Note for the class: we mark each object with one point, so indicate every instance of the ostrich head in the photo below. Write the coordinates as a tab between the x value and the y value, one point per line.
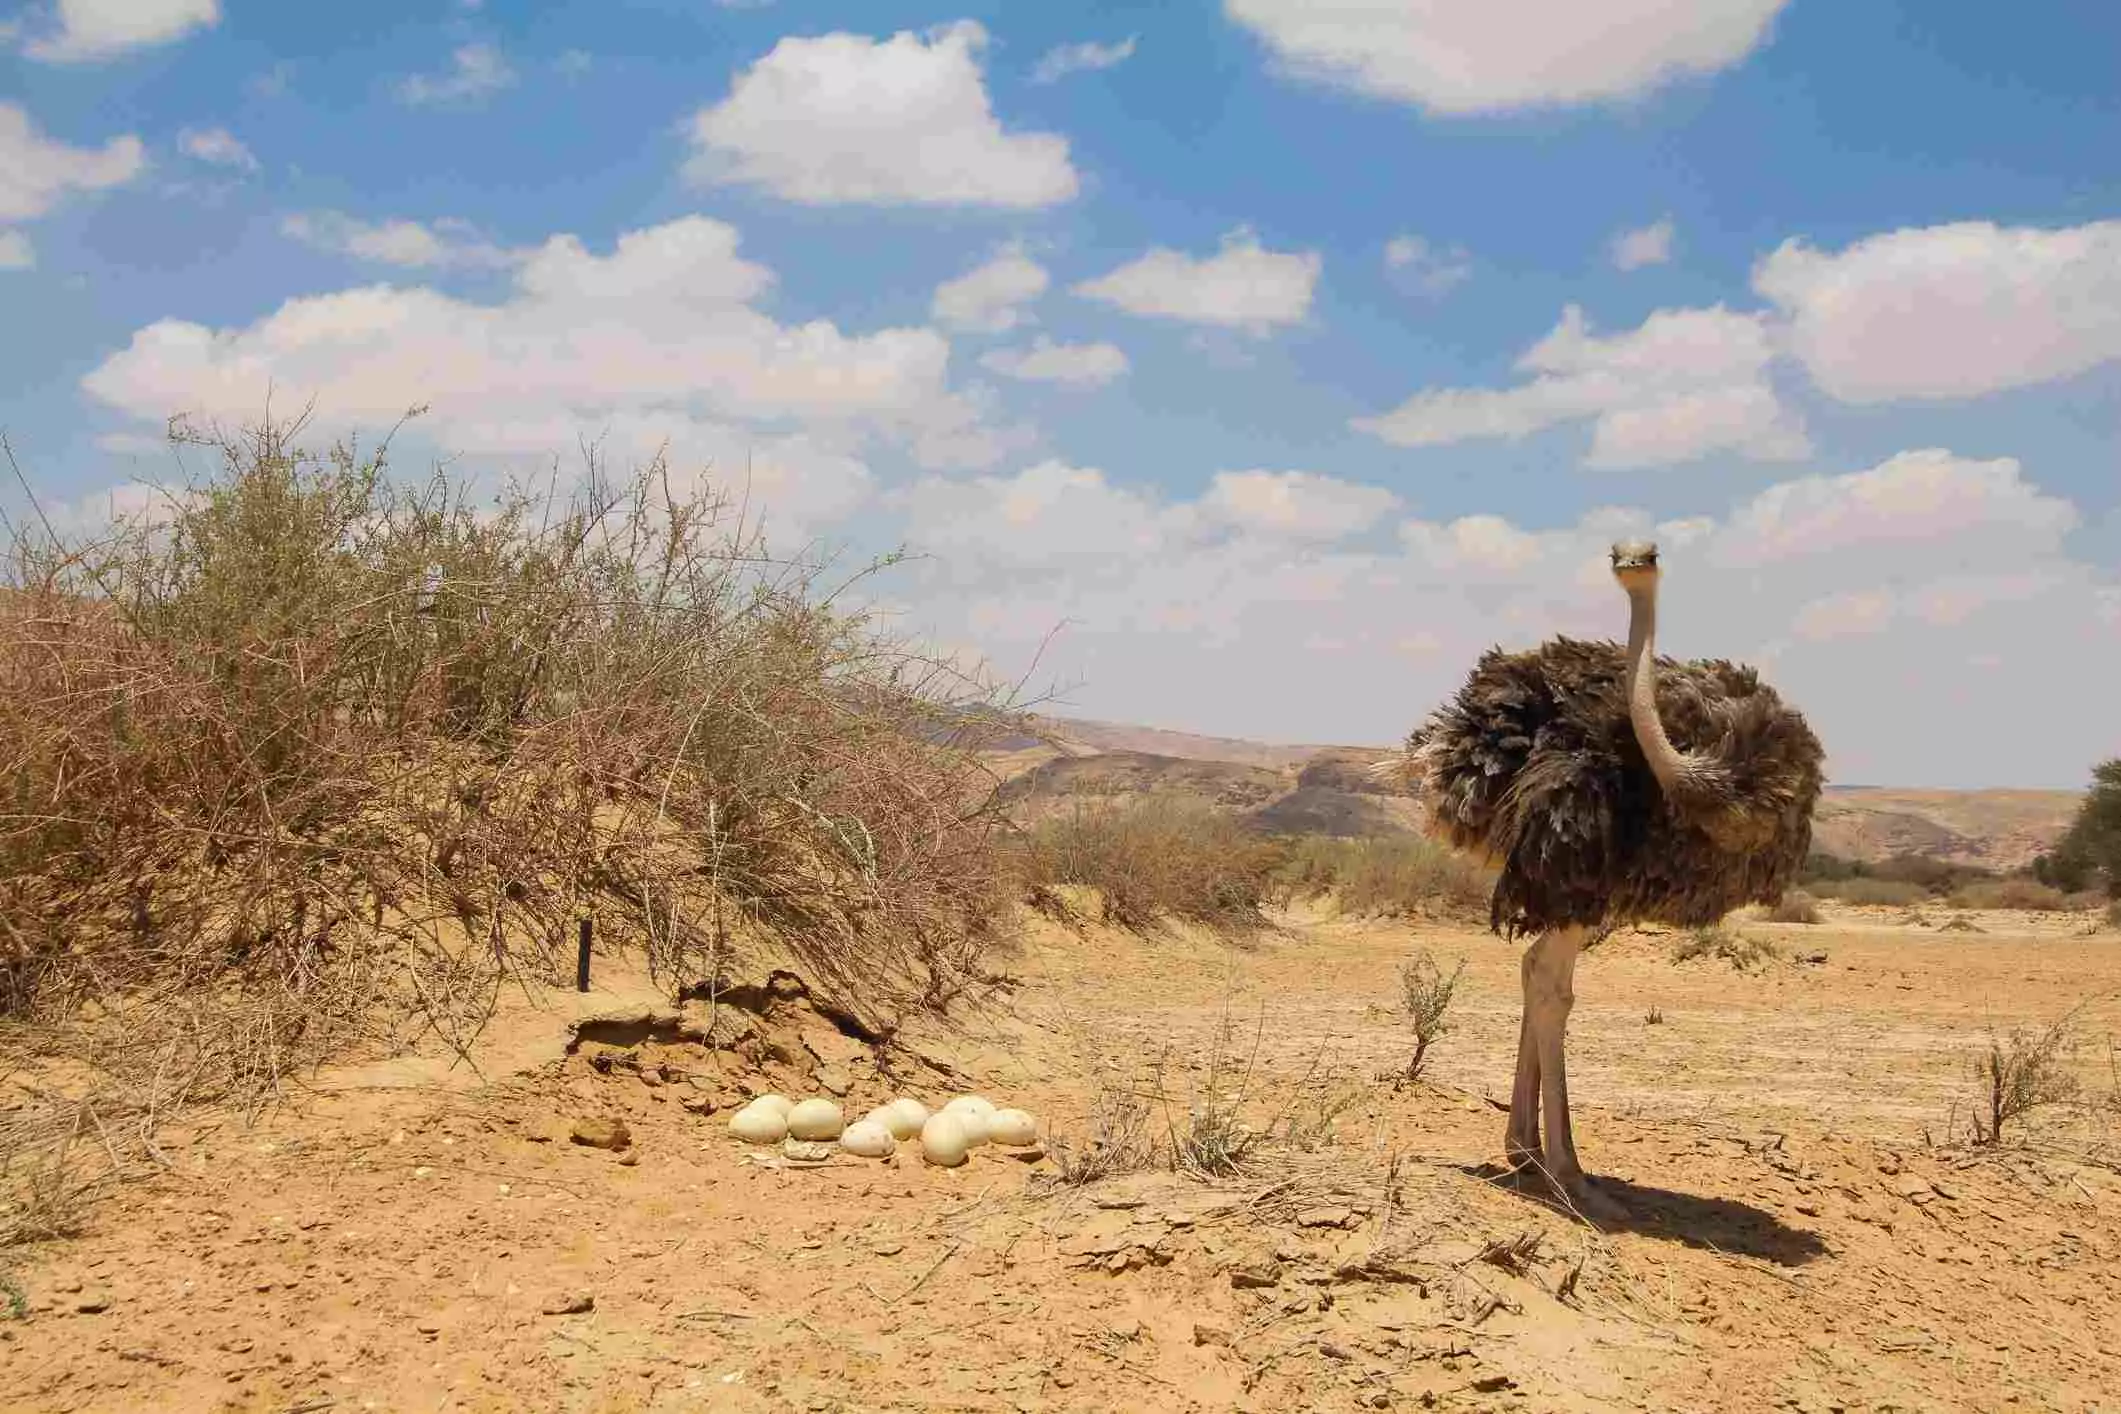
1635	565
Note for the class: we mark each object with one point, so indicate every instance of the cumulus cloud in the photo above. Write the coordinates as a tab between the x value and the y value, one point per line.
654	340
476	73
1950	311
1077	365
1455	58
1646	245
991	298
37	173
1064	59
1242	286
1686	383
1428	269
217	147
446	244
844	118
90	31
1301	505
1860	596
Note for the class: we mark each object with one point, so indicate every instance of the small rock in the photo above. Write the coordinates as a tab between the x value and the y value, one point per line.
697	1104
1378	1399
1493	1384
833	1080
1333	1352
429	1327
1206	1334
1255	1274
630	1158
569	1303
653	1079
807	1151
601	1133
92	1303
1915	1190
1326	1217
889	1247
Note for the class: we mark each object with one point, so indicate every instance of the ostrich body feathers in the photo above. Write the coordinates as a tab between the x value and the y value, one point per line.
1534	764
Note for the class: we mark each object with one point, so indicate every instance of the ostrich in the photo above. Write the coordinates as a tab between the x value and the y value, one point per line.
1612	786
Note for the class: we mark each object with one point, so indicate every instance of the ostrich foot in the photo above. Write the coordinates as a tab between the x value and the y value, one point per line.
1581	1193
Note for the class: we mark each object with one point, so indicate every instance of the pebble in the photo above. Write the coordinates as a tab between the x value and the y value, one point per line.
609	1134
569	1303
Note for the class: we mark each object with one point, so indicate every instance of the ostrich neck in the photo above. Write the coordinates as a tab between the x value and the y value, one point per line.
1657	748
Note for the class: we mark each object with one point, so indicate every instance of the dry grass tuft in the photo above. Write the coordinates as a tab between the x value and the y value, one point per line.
1120	1141
313	758
1796	906
1741	950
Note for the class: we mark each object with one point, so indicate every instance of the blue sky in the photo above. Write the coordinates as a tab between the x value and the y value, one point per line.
1281	360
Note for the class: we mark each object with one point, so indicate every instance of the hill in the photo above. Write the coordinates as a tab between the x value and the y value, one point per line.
1292	789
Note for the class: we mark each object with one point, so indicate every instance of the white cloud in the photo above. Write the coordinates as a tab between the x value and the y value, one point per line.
1077	365
843	118
1301	505
654	340
1242	286
990	299
446	244
93	30
216	146
1064	59
1919	497
1431	270
1950	311
1646	245
1196	612
1453	57
36	173
16	253
476	72
1687	383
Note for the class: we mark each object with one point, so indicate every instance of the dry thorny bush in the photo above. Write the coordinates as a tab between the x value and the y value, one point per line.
1741	950
311	756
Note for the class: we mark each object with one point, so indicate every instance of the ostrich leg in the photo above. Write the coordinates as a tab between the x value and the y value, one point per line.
1550	994
1520	1142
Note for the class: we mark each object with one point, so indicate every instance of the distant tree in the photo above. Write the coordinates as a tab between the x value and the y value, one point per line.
2093	845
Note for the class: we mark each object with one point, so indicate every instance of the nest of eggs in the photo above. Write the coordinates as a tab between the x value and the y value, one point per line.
947	1137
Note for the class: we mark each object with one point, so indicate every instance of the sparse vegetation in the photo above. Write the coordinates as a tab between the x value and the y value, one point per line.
1795	906
1885	893
2022	1073
1399	876
1119	1141
1157	858
1425	996
2021	893
1653	1017
313	756
1741	950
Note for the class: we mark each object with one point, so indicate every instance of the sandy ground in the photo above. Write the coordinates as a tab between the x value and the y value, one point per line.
404	1238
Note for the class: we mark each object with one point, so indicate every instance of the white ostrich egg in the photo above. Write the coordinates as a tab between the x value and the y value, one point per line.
759	1124
943	1141
868	1139
816	1119
1012	1127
